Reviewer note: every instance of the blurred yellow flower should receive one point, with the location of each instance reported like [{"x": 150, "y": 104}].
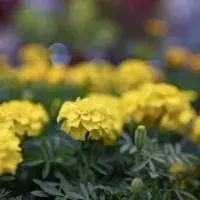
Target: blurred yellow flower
[
  {"x": 113, "y": 103},
  {"x": 34, "y": 73},
  {"x": 161, "y": 104},
  {"x": 56, "y": 75},
  {"x": 155, "y": 27},
  {"x": 10, "y": 152},
  {"x": 28, "y": 118},
  {"x": 86, "y": 119},
  {"x": 177, "y": 57},
  {"x": 5, "y": 70},
  {"x": 92, "y": 76},
  {"x": 195, "y": 132},
  {"x": 32, "y": 54},
  {"x": 194, "y": 63},
  {"x": 133, "y": 73},
  {"x": 180, "y": 168}
]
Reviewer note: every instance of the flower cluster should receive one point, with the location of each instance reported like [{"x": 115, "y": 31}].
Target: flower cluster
[
  {"x": 92, "y": 76},
  {"x": 113, "y": 103},
  {"x": 133, "y": 73},
  {"x": 86, "y": 119},
  {"x": 28, "y": 118},
  {"x": 10, "y": 151},
  {"x": 195, "y": 132},
  {"x": 161, "y": 104}
]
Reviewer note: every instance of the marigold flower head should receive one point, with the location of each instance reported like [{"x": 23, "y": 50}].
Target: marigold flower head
[
  {"x": 92, "y": 76},
  {"x": 180, "y": 168},
  {"x": 133, "y": 73},
  {"x": 161, "y": 104},
  {"x": 56, "y": 75},
  {"x": 36, "y": 73},
  {"x": 155, "y": 27},
  {"x": 177, "y": 57},
  {"x": 28, "y": 118},
  {"x": 6, "y": 121},
  {"x": 32, "y": 54},
  {"x": 10, "y": 152},
  {"x": 86, "y": 119},
  {"x": 113, "y": 103}
]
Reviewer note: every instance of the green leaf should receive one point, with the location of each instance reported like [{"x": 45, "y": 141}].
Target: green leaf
[
  {"x": 39, "y": 193},
  {"x": 74, "y": 195},
  {"x": 60, "y": 198},
  {"x": 152, "y": 166},
  {"x": 48, "y": 188},
  {"x": 99, "y": 170},
  {"x": 179, "y": 195},
  {"x": 33, "y": 163},
  {"x": 141, "y": 166},
  {"x": 7, "y": 178},
  {"x": 92, "y": 190},
  {"x": 46, "y": 170},
  {"x": 153, "y": 175},
  {"x": 84, "y": 190},
  {"x": 188, "y": 195}
]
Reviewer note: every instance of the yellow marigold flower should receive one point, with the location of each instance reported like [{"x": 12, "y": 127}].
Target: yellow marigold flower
[
  {"x": 28, "y": 118},
  {"x": 6, "y": 121},
  {"x": 194, "y": 63},
  {"x": 158, "y": 103},
  {"x": 92, "y": 76},
  {"x": 10, "y": 152},
  {"x": 195, "y": 132},
  {"x": 133, "y": 73},
  {"x": 36, "y": 73},
  {"x": 177, "y": 57},
  {"x": 86, "y": 119},
  {"x": 114, "y": 105},
  {"x": 56, "y": 75},
  {"x": 5, "y": 70},
  {"x": 180, "y": 168},
  {"x": 155, "y": 27},
  {"x": 191, "y": 95},
  {"x": 32, "y": 54}
]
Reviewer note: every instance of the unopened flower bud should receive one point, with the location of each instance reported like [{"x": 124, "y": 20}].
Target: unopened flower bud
[
  {"x": 140, "y": 135},
  {"x": 136, "y": 185}
]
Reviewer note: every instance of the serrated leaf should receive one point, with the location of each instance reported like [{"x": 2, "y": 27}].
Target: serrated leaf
[
  {"x": 153, "y": 175},
  {"x": 7, "y": 178},
  {"x": 124, "y": 148},
  {"x": 152, "y": 166},
  {"x": 39, "y": 193},
  {"x": 74, "y": 195},
  {"x": 133, "y": 150},
  {"x": 84, "y": 190},
  {"x": 188, "y": 195},
  {"x": 49, "y": 189},
  {"x": 161, "y": 160},
  {"x": 179, "y": 195},
  {"x": 46, "y": 170},
  {"x": 33, "y": 163},
  {"x": 100, "y": 170},
  {"x": 92, "y": 190},
  {"x": 141, "y": 166}
]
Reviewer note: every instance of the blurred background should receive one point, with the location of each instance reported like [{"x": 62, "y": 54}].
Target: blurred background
[{"x": 101, "y": 29}]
